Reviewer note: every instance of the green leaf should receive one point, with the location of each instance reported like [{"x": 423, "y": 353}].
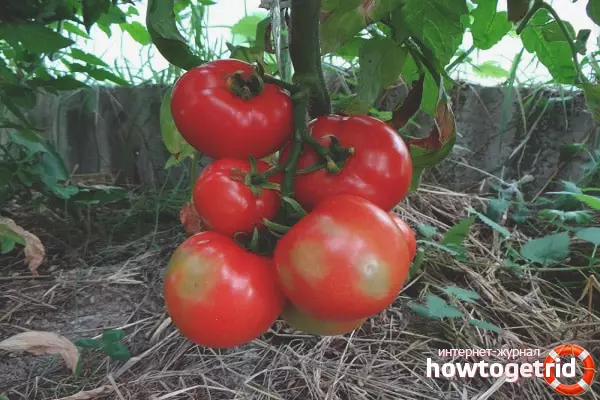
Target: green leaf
[
  {"x": 96, "y": 73},
  {"x": 74, "y": 29},
  {"x": 88, "y": 343},
  {"x": 174, "y": 142},
  {"x": 427, "y": 231},
  {"x": 551, "y": 32},
  {"x": 461, "y": 294},
  {"x": 137, "y": 32},
  {"x": 347, "y": 18},
  {"x": 381, "y": 62},
  {"x": 437, "y": 23},
  {"x": 490, "y": 69},
  {"x": 581, "y": 40},
  {"x": 593, "y": 10},
  {"x": 99, "y": 194},
  {"x": 92, "y": 11},
  {"x": 162, "y": 27},
  {"x": 485, "y": 325},
  {"x": 496, "y": 208},
  {"x": 246, "y": 27},
  {"x": 498, "y": 228},
  {"x": 547, "y": 250},
  {"x": 556, "y": 56},
  {"x": 437, "y": 308},
  {"x": 591, "y": 235},
  {"x": 592, "y": 97},
  {"x": 87, "y": 57},
  {"x": 458, "y": 233},
  {"x": 9, "y": 238},
  {"x": 117, "y": 351},
  {"x": 489, "y": 26},
  {"x": 447, "y": 249},
  {"x": 113, "y": 335},
  {"x": 592, "y": 201},
  {"x": 36, "y": 38}
]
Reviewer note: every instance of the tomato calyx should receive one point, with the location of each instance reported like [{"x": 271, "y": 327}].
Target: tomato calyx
[
  {"x": 334, "y": 156},
  {"x": 245, "y": 87},
  {"x": 255, "y": 180}
]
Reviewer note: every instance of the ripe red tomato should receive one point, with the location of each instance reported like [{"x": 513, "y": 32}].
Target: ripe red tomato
[
  {"x": 346, "y": 259},
  {"x": 409, "y": 234},
  {"x": 218, "y": 294},
  {"x": 380, "y": 170},
  {"x": 226, "y": 204},
  {"x": 221, "y": 124},
  {"x": 316, "y": 326}
]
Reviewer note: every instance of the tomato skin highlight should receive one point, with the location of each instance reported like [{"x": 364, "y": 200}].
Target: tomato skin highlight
[
  {"x": 220, "y": 124},
  {"x": 380, "y": 170},
  {"x": 315, "y": 326},
  {"x": 226, "y": 205},
  {"x": 347, "y": 259},
  {"x": 218, "y": 294},
  {"x": 409, "y": 234}
]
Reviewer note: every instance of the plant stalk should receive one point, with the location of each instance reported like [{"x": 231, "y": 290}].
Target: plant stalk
[{"x": 305, "y": 53}]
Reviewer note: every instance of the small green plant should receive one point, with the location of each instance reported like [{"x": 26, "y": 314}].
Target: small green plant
[{"x": 110, "y": 344}]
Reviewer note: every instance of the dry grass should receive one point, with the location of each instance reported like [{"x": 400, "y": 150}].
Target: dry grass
[{"x": 120, "y": 287}]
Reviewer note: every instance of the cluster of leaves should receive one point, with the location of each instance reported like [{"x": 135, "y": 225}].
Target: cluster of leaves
[
  {"x": 38, "y": 53},
  {"x": 110, "y": 343}
]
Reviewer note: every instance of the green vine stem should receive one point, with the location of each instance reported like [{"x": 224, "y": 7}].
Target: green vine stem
[
  {"x": 301, "y": 101},
  {"x": 305, "y": 53},
  {"x": 535, "y": 8}
]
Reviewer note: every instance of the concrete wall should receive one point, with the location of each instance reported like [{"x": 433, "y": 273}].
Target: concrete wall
[{"x": 115, "y": 132}]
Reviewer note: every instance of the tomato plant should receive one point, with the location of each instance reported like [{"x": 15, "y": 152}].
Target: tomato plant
[
  {"x": 346, "y": 259},
  {"x": 316, "y": 326},
  {"x": 224, "y": 111},
  {"x": 228, "y": 201},
  {"x": 218, "y": 294},
  {"x": 378, "y": 167},
  {"x": 409, "y": 234}
]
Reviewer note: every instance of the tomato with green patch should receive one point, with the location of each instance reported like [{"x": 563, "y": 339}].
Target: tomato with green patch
[
  {"x": 409, "y": 234},
  {"x": 218, "y": 294},
  {"x": 228, "y": 202},
  {"x": 223, "y": 111},
  {"x": 346, "y": 259},
  {"x": 304, "y": 322},
  {"x": 378, "y": 166}
]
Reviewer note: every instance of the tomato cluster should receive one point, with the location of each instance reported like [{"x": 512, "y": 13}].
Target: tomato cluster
[{"x": 343, "y": 260}]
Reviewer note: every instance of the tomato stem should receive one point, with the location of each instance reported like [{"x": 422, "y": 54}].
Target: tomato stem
[
  {"x": 290, "y": 87},
  {"x": 300, "y": 100}
]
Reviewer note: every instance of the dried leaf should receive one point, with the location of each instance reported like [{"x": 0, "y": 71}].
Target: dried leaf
[
  {"x": 442, "y": 131},
  {"x": 89, "y": 394},
  {"x": 190, "y": 219},
  {"x": 409, "y": 106},
  {"x": 39, "y": 343},
  {"x": 34, "y": 249}
]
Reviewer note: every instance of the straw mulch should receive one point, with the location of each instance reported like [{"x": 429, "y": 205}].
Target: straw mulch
[{"x": 119, "y": 286}]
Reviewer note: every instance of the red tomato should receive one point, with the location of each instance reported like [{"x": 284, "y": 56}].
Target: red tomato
[
  {"x": 409, "y": 234},
  {"x": 221, "y": 124},
  {"x": 346, "y": 259},
  {"x": 316, "y": 326},
  {"x": 380, "y": 170},
  {"x": 218, "y": 294},
  {"x": 226, "y": 204}
]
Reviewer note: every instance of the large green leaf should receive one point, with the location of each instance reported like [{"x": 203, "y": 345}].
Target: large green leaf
[
  {"x": 556, "y": 56},
  {"x": 174, "y": 142},
  {"x": 381, "y": 61},
  {"x": 546, "y": 250},
  {"x": 489, "y": 26},
  {"x": 36, "y": 38},
  {"x": 436, "y": 308},
  {"x": 437, "y": 23},
  {"x": 161, "y": 24},
  {"x": 591, "y": 235},
  {"x": 593, "y": 10},
  {"x": 346, "y": 18},
  {"x": 138, "y": 32},
  {"x": 92, "y": 11}
]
